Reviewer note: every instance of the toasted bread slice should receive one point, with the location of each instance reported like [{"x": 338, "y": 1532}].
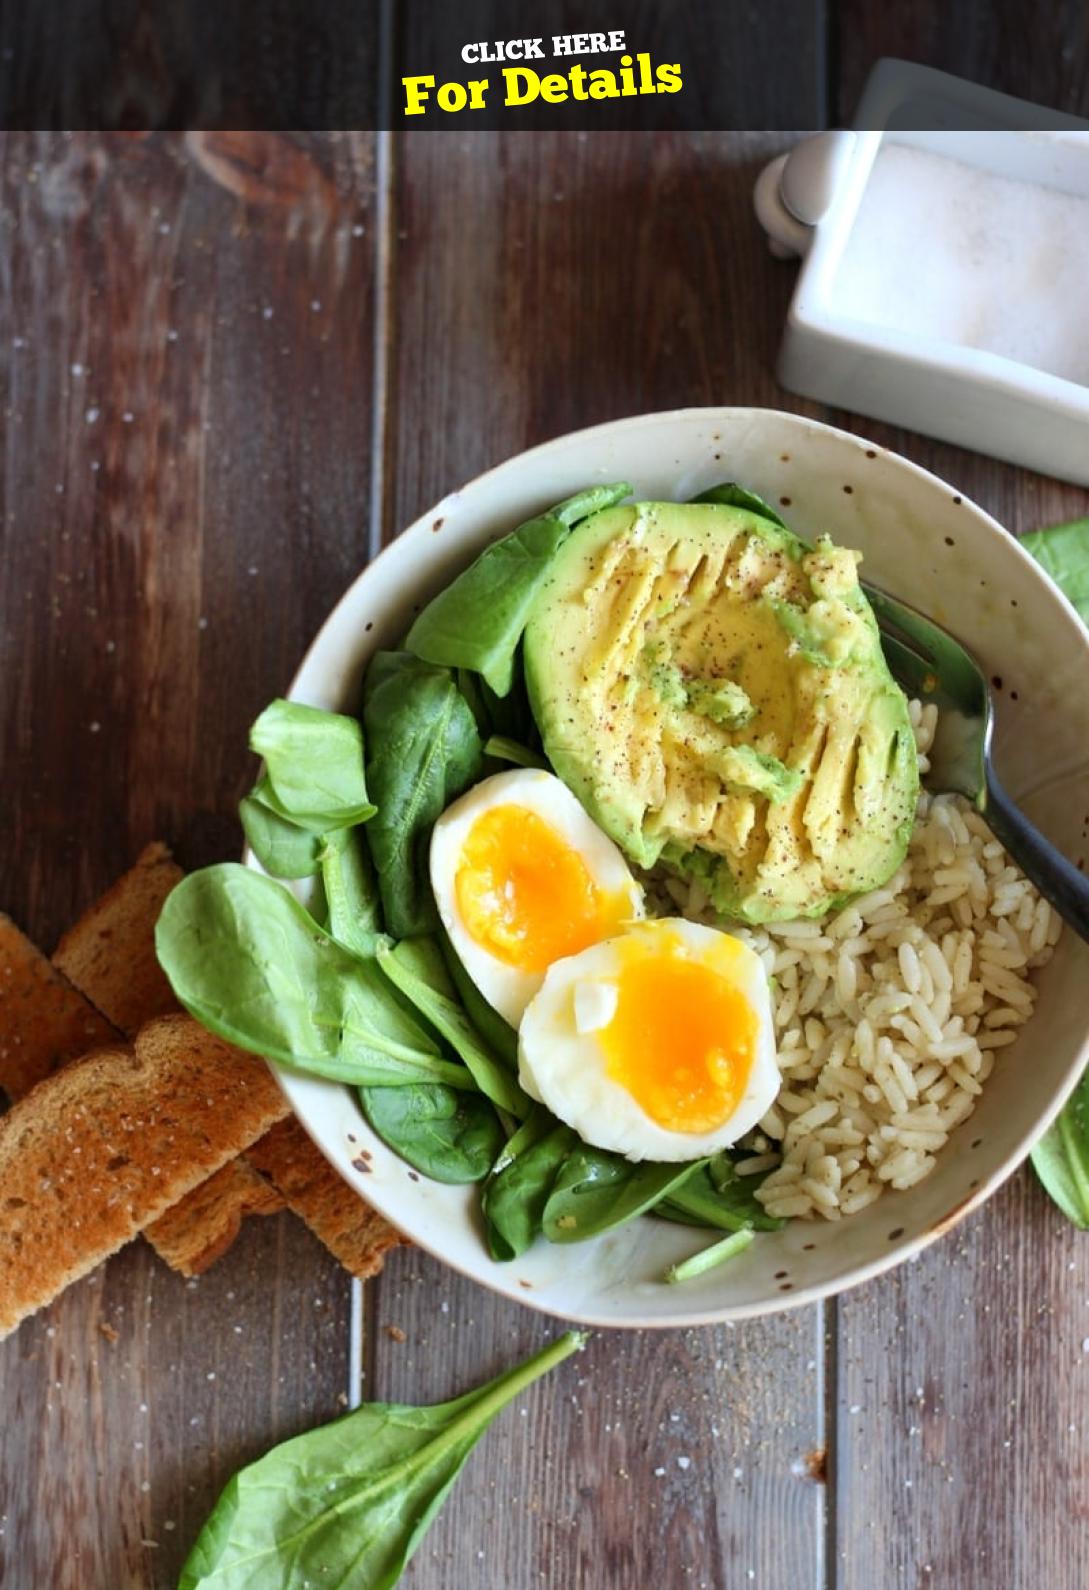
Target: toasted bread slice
[
  {"x": 110, "y": 953},
  {"x": 352, "y": 1231},
  {"x": 44, "y": 1021},
  {"x": 104, "y": 1146},
  {"x": 201, "y": 1226}
]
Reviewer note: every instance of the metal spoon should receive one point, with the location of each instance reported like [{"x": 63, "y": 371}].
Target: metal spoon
[{"x": 930, "y": 664}]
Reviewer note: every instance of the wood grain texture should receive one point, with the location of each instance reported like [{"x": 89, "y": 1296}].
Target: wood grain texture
[
  {"x": 185, "y": 479},
  {"x": 963, "y": 1389},
  {"x": 961, "y": 1381},
  {"x": 533, "y": 283},
  {"x": 680, "y": 1459},
  {"x": 544, "y": 282},
  {"x": 133, "y": 1399},
  {"x": 1037, "y": 53},
  {"x": 186, "y": 382}
]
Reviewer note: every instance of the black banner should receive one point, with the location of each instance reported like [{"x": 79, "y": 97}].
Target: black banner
[{"x": 590, "y": 65}]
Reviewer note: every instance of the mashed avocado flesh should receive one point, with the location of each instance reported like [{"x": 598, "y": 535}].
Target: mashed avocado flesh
[{"x": 715, "y": 693}]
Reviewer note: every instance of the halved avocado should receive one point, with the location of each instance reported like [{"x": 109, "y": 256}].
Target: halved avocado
[{"x": 715, "y": 693}]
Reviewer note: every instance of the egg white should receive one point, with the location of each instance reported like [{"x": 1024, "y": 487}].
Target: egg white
[
  {"x": 566, "y": 1068},
  {"x": 509, "y": 989}
]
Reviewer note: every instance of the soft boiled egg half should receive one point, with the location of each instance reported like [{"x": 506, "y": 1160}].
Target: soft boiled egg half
[
  {"x": 523, "y": 878},
  {"x": 657, "y": 1044}
]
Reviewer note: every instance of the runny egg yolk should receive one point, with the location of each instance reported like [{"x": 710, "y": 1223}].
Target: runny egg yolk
[
  {"x": 526, "y": 895},
  {"x": 682, "y": 1040}
]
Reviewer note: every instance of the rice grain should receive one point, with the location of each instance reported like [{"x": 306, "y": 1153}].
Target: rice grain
[{"x": 888, "y": 1013}]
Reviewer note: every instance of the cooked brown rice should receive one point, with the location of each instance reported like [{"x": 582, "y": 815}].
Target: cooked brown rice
[{"x": 888, "y": 1014}]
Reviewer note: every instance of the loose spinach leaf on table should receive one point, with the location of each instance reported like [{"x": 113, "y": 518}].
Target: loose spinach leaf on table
[
  {"x": 516, "y": 1192},
  {"x": 713, "y": 1194},
  {"x": 245, "y": 958},
  {"x": 1061, "y": 1157},
  {"x": 449, "y": 1135},
  {"x": 417, "y": 969},
  {"x": 731, "y": 495},
  {"x": 348, "y": 1504},
  {"x": 424, "y": 749},
  {"x": 351, "y": 892},
  {"x": 498, "y": 1034},
  {"x": 477, "y": 621},
  {"x": 313, "y": 766},
  {"x": 282, "y": 848},
  {"x": 595, "y": 1190},
  {"x": 1063, "y": 552}
]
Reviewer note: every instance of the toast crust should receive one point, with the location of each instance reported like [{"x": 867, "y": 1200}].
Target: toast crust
[
  {"x": 199, "y": 1229},
  {"x": 100, "y": 1149},
  {"x": 109, "y": 954},
  {"x": 44, "y": 1021},
  {"x": 353, "y": 1232},
  {"x": 51, "y": 1015}
]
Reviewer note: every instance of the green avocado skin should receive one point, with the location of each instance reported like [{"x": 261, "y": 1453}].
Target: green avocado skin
[{"x": 855, "y": 803}]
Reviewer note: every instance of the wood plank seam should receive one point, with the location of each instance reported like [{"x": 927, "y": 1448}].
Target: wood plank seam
[
  {"x": 361, "y": 1339},
  {"x": 829, "y": 1340},
  {"x": 383, "y": 330}
]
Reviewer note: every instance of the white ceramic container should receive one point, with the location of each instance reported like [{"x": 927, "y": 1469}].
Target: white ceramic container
[
  {"x": 918, "y": 369},
  {"x": 927, "y": 544}
]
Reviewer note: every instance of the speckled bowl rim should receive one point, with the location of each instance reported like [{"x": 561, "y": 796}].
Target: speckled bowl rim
[{"x": 421, "y": 536}]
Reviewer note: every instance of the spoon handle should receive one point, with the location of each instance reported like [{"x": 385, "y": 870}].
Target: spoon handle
[{"x": 1058, "y": 880}]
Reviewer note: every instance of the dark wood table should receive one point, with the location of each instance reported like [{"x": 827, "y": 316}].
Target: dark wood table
[{"x": 231, "y": 369}]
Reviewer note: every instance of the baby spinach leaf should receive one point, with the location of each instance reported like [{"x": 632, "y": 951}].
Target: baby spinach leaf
[
  {"x": 415, "y": 966},
  {"x": 313, "y": 766},
  {"x": 447, "y": 1134},
  {"x": 595, "y": 1190},
  {"x": 245, "y": 958},
  {"x": 471, "y": 687},
  {"x": 510, "y": 715},
  {"x": 515, "y": 1194},
  {"x": 1063, "y": 552},
  {"x": 498, "y": 1034},
  {"x": 477, "y": 621},
  {"x": 504, "y": 750},
  {"x": 591, "y": 499},
  {"x": 1061, "y": 1157},
  {"x": 507, "y": 716},
  {"x": 424, "y": 750},
  {"x": 317, "y": 906},
  {"x": 348, "y": 1503},
  {"x": 713, "y": 1194},
  {"x": 283, "y": 849},
  {"x": 696, "y": 1203},
  {"x": 731, "y": 495},
  {"x": 351, "y": 892},
  {"x": 708, "y": 1258}
]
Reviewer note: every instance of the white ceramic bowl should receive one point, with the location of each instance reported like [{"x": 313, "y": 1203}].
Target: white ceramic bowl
[{"x": 926, "y": 544}]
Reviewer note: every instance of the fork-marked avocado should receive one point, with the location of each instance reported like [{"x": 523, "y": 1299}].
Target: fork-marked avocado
[{"x": 715, "y": 693}]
